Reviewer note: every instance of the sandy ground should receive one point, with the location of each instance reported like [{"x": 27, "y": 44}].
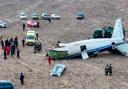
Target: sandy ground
[{"x": 79, "y": 74}]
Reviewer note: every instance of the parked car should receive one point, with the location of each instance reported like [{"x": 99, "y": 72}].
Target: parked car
[
  {"x": 34, "y": 16},
  {"x": 5, "y": 84},
  {"x": 80, "y": 15},
  {"x": 55, "y": 16},
  {"x": 45, "y": 16},
  {"x": 32, "y": 23},
  {"x": 23, "y": 16},
  {"x": 3, "y": 24}
]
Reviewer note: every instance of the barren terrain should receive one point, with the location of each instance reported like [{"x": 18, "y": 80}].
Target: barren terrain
[{"x": 79, "y": 74}]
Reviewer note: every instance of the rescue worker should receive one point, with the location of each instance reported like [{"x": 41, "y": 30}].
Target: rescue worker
[
  {"x": 18, "y": 53},
  {"x": 35, "y": 48},
  {"x": 23, "y": 26},
  {"x": 23, "y": 42},
  {"x": 110, "y": 69},
  {"x": 22, "y": 78},
  {"x": 106, "y": 69}
]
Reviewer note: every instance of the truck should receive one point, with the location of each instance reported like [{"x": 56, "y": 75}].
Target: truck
[{"x": 105, "y": 32}]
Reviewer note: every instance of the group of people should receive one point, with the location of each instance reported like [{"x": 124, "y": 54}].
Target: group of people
[
  {"x": 37, "y": 46},
  {"x": 10, "y": 46},
  {"x": 108, "y": 70}
]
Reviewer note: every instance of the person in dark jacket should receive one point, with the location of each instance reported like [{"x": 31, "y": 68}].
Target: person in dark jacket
[
  {"x": 12, "y": 51},
  {"x": 18, "y": 53},
  {"x": 49, "y": 19},
  {"x": 38, "y": 24},
  {"x": 110, "y": 69},
  {"x": 22, "y": 78},
  {"x": 5, "y": 56},
  {"x": 13, "y": 47},
  {"x": 23, "y": 26},
  {"x": 23, "y": 42},
  {"x": 16, "y": 42},
  {"x": 11, "y": 40},
  {"x": 37, "y": 35},
  {"x": 6, "y": 42},
  {"x": 106, "y": 70}
]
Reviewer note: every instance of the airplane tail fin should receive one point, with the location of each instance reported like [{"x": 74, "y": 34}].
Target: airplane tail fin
[{"x": 118, "y": 29}]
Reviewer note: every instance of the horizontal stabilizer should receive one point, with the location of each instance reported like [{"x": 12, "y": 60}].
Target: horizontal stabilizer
[
  {"x": 84, "y": 55},
  {"x": 123, "y": 48}
]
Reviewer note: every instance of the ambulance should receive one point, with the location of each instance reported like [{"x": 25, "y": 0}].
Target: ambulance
[{"x": 31, "y": 37}]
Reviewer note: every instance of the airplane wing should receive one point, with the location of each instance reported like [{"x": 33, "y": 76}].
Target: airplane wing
[
  {"x": 84, "y": 55},
  {"x": 123, "y": 48}
]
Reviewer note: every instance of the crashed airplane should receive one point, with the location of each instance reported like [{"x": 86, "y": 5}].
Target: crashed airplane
[{"x": 91, "y": 47}]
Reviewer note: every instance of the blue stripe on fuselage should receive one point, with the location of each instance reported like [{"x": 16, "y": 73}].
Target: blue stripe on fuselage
[{"x": 100, "y": 49}]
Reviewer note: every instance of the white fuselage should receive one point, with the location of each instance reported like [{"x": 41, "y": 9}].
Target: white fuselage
[{"x": 91, "y": 44}]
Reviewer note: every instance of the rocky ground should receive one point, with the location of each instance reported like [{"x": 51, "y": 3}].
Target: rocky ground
[{"x": 79, "y": 74}]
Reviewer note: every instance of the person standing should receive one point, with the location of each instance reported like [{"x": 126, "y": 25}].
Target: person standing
[
  {"x": 5, "y": 56},
  {"x": 110, "y": 69},
  {"x": 2, "y": 44},
  {"x": 49, "y": 19},
  {"x": 16, "y": 42},
  {"x": 11, "y": 40},
  {"x": 12, "y": 51},
  {"x": 38, "y": 24},
  {"x": 23, "y": 26},
  {"x": 18, "y": 53},
  {"x": 23, "y": 42},
  {"x": 6, "y": 42},
  {"x": 22, "y": 78},
  {"x": 13, "y": 47},
  {"x": 8, "y": 50},
  {"x": 49, "y": 60},
  {"x": 106, "y": 69},
  {"x": 37, "y": 35}
]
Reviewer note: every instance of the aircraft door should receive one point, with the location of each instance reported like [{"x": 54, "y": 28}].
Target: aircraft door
[
  {"x": 84, "y": 52},
  {"x": 83, "y": 47}
]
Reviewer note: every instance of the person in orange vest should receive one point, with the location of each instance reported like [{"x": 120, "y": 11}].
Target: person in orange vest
[{"x": 49, "y": 60}]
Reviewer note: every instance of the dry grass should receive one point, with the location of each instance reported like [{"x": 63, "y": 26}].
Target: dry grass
[{"x": 88, "y": 74}]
